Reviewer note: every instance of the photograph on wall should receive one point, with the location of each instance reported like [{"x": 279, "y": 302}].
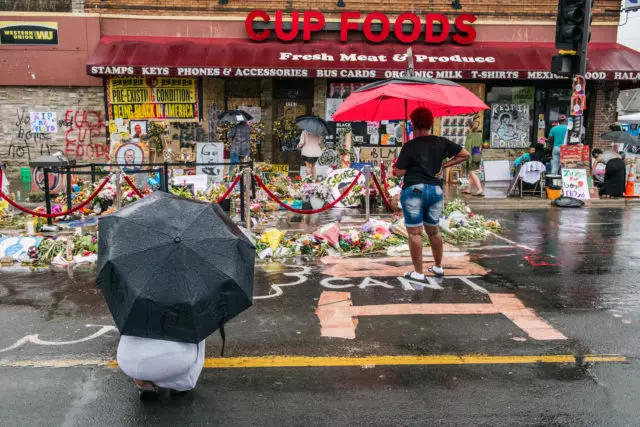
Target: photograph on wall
[
  {"x": 510, "y": 125},
  {"x": 138, "y": 129},
  {"x": 209, "y": 152}
]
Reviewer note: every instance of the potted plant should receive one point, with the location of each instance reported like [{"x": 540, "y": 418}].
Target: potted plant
[{"x": 316, "y": 194}]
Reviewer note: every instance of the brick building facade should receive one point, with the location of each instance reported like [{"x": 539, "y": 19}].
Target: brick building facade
[{"x": 490, "y": 10}]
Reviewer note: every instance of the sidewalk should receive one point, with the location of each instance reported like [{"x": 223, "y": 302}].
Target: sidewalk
[{"x": 452, "y": 191}]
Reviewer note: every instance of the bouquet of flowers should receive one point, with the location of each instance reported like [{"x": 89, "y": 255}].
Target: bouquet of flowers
[
  {"x": 129, "y": 197},
  {"x": 321, "y": 191}
]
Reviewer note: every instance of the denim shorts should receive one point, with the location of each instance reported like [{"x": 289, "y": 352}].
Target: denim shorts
[{"x": 422, "y": 205}]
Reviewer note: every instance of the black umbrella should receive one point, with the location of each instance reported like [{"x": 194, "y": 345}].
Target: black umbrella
[
  {"x": 620, "y": 137},
  {"x": 313, "y": 124},
  {"x": 174, "y": 269},
  {"x": 234, "y": 116}
]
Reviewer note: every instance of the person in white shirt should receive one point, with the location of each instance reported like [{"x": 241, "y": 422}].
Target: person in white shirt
[
  {"x": 154, "y": 364},
  {"x": 310, "y": 147}
]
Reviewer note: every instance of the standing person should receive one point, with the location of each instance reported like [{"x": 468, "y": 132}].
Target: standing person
[
  {"x": 614, "y": 173},
  {"x": 4, "y": 182},
  {"x": 558, "y": 136},
  {"x": 154, "y": 364},
  {"x": 310, "y": 147},
  {"x": 473, "y": 145},
  {"x": 421, "y": 164},
  {"x": 240, "y": 142}
]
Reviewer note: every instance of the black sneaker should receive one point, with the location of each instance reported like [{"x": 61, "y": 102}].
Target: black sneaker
[{"x": 148, "y": 393}]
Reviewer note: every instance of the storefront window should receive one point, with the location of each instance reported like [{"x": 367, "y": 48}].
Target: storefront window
[{"x": 509, "y": 123}]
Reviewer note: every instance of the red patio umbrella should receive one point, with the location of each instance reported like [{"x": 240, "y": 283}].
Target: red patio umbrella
[{"x": 394, "y": 99}]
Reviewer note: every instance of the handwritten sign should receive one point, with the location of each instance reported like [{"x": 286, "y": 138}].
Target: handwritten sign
[
  {"x": 378, "y": 155},
  {"x": 153, "y": 98},
  {"x": 43, "y": 122},
  {"x": 575, "y": 184},
  {"x": 280, "y": 168}
]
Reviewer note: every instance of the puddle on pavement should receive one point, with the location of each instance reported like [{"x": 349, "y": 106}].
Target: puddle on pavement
[{"x": 55, "y": 293}]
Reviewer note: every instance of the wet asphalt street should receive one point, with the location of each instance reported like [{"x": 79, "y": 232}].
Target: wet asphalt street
[{"x": 536, "y": 327}]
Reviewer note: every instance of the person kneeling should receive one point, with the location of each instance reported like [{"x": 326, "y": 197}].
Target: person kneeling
[{"x": 154, "y": 364}]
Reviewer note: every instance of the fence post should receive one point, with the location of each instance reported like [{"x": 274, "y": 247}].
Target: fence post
[
  {"x": 47, "y": 196},
  {"x": 118, "y": 189},
  {"x": 242, "y": 193},
  {"x": 166, "y": 176},
  {"x": 93, "y": 174},
  {"x": 246, "y": 177},
  {"x": 69, "y": 189},
  {"x": 367, "y": 201}
]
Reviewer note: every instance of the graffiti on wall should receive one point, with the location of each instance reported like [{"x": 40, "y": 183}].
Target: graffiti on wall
[
  {"x": 24, "y": 143},
  {"x": 85, "y": 136}
]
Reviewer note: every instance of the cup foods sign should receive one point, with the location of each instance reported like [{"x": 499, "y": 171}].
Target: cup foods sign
[{"x": 376, "y": 26}]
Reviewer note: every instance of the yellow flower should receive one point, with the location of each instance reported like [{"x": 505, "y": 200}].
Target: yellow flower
[{"x": 273, "y": 237}]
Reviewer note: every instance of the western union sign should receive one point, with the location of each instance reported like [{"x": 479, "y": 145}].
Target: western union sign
[
  {"x": 24, "y": 32},
  {"x": 166, "y": 98}
]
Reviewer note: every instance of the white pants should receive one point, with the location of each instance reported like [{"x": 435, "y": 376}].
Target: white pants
[
  {"x": 4, "y": 185},
  {"x": 168, "y": 364}
]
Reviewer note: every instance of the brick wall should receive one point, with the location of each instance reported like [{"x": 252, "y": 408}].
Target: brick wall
[
  {"x": 604, "y": 10},
  {"x": 81, "y": 132},
  {"x": 601, "y": 111}
]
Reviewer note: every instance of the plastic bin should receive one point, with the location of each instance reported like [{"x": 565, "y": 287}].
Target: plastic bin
[
  {"x": 25, "y": 174},
  {"x": 553, "y": 193}
]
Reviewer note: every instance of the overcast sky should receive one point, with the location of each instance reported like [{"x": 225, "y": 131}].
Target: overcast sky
[{"x": 629, "y": 34}]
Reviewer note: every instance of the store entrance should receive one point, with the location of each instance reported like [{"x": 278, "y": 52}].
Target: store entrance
[{"x": 292, "y": 98}]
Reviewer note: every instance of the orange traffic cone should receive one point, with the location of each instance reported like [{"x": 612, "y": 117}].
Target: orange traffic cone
[{"x": 630, "y": 189}]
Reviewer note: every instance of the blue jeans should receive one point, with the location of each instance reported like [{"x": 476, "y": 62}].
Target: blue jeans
[
  {"x": 234, "y": 159},
  {"x": 555, "y": 161},
  {"x": 422, "y": 205}
]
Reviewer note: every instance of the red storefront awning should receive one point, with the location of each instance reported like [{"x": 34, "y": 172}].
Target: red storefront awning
[{"x": 220, "y": 57}]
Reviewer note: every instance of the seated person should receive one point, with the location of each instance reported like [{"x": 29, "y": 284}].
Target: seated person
[{"x": 535, "y": 154}]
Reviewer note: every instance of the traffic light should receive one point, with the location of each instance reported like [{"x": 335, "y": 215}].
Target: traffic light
[
  {"x": 573, "y": 33},
  {"x": 570, "y": 24}
]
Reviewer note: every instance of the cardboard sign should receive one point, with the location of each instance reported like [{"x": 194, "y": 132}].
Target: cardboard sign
[
  {"x": 575, "y": 184},
  {"x": 510, "y": 125},
  {"x": 210, "y": 152},
  {"x": 280, "y": 168},
  {"x": 339, "y": 180}
]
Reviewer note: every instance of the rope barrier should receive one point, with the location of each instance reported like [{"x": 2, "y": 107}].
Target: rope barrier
[
  {"x": 133, "y": 187},
  {"x": 308, "y": 212},
  {"x": 65, "y": 213},
  {"x": 383, "y": 177},
  {"x": 220, "y": 200},
  {"x": 230, "y": 189},
  {"x": 385, "y": 200}
]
